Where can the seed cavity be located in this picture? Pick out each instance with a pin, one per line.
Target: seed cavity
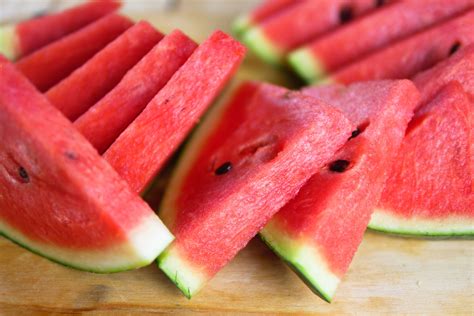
(354, 134)
(223, 169)
(454, 48)
(25, 178)
(339, 165)
(345, 14)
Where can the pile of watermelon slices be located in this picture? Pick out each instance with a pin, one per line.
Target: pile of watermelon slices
(90, 116)
(346, 41)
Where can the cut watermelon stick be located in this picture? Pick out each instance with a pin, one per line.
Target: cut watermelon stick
(416, 53)
(459, 67)
(58, 197)
(298, 24)
(108, 118)
(265, 10)
(319, 231)
(89, 83)
(54, 62)
(247, 161)
(173, 112)
(324, 55)
(18, 40)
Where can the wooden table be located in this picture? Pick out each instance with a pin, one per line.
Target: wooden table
(389, 275)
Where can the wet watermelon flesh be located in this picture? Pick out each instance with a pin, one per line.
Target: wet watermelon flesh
(367, 34)
(411, 55)
(459, 67)
(88, 221)
(430, 189)
(300, 23)
(109, 117)
(274, 143)
(54, 62)
(90, 82)
(36, 33)
(329, 215)
(171, 114)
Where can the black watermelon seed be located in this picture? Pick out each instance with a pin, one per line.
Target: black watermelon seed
(354, 134)
(345, 14)
(339, 165)
(223, 169)
(379, 3)
(454, 48)
(23, 175)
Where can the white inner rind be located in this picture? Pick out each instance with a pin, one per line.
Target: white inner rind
(262, 46)
(186, 277)
(9, 42)
(304, 257)
(144, 243)
(306, 65)
(386, 220)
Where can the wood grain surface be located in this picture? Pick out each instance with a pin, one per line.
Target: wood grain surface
(389, 275)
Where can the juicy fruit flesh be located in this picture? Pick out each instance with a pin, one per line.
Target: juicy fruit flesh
(331, 211)
(261, 151)
(79, 215)
(435, 155)
(104, 121)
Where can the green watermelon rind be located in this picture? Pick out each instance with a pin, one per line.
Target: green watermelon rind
(257, 41)
(306, 65)
(8, 42)
(241, 25)
(381, 221)
(310, 271)
(138, 262)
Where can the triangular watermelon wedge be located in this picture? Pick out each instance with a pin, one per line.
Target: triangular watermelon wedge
(58, 197)
(430, 190)
(248, 159)
(318, 232)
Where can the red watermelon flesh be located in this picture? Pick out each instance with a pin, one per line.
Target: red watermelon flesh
(416, 53)
(370, 33)
(174, 111)
(54, 62)
(459, 67)
(246, 162)
(319, 231)
(89, 83)
(300, 23)
(109, 117)
(430, 190)
(29, 36)
(58, 197)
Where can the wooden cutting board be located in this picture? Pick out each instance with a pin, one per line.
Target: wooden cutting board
(389, 275)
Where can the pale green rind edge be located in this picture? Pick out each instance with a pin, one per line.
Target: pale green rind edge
(256, 40)
(384, 222)
(306, 65)
(241, 25)
(9, 42)
(310, 270)
(188, 280)
(140, 262)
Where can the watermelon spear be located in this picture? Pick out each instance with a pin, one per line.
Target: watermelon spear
(18, 40)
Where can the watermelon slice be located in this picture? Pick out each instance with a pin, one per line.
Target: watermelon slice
(172, 113)
(319, 231)
(416, 53)
(324, 55)
(430, 190)
(109, 117)
(18, 40)
(90, 82)
(58, 197)
(249, 158)
(266, 9)
(459, 67)
(298, 24)
(54, 62)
